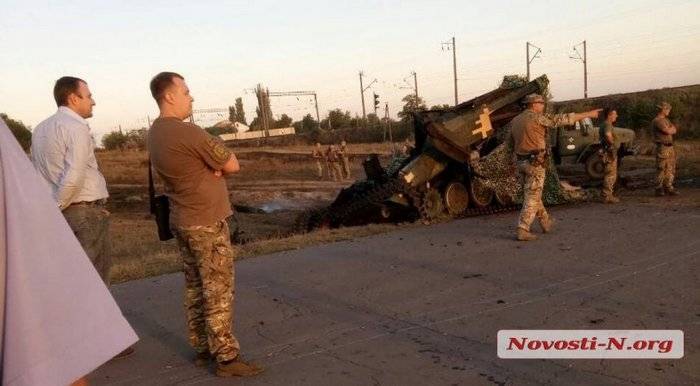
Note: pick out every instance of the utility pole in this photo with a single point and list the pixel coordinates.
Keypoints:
(415, 84)
(584, 59)
(362, 93)
(387, 122)
(451, 45)
(318, 117)
(528, 59)
(585, 72)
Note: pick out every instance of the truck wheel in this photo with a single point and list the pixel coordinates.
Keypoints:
(480, 194)
(456, 198)
(595, 167)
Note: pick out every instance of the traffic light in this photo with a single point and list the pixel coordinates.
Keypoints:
(376, 101)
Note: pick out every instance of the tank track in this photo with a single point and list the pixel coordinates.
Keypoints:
(351, 213)
(374, 196)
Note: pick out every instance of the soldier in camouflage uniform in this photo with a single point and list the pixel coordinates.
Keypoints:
(664, 131)
(317, 155)
(333, 161)
(528, 130)
(192, 164)
(609, 154)
(343, 153)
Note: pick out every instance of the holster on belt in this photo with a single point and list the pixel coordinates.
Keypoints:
(535, 158)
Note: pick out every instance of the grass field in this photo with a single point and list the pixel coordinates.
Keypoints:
(131, 166)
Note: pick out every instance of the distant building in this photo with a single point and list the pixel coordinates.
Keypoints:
(237, 127)
(257, 134)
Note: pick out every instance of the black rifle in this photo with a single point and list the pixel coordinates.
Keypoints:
(160, 207)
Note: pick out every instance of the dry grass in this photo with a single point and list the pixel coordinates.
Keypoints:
(131, 167)
(688, 155)
(124, 167)
(137, 252)
(360, 148)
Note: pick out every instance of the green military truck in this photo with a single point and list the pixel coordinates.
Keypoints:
(579, 144)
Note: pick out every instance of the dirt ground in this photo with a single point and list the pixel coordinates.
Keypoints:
(276, 185)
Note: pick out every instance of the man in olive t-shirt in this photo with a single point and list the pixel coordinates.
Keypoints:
(191, 164)
(664, 131)
(608, 144)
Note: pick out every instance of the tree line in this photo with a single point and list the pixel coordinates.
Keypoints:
(636, 111)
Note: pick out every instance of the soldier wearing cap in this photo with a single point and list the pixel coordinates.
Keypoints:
(527, 138)
(333, 162)
(608, 152)
(317, 155)
(664, 131)
(343, 153)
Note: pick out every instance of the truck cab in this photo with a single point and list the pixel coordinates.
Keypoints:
(579, 144)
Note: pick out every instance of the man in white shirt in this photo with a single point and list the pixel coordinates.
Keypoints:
(63, 151)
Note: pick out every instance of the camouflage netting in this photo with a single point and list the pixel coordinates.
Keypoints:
(500, 176)
(513, 81)
(395, 164)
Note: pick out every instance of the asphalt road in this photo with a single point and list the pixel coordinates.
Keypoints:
(422, 306)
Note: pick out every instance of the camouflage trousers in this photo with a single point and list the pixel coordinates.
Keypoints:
(90, 225)
(334, 171)
(319, 169)
(610, 162)
(532, 180)
(208, 264)
(665, 166)
(346, 167)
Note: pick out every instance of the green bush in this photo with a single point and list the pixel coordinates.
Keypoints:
(637, 110)
(115, 140)
(21, 132)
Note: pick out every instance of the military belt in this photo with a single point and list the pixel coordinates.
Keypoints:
(664, 144)
(529, 156)
(100, 202)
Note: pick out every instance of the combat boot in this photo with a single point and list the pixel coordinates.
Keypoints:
(611, 200)
(237, 368)
(547, 224)
(660, 192)
(671, 191)
(524, 235)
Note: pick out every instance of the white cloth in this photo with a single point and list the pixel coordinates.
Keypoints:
(60, 321)
(63, 151)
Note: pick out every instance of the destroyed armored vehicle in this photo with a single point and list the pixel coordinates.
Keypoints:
(438, 177)
(579, 144)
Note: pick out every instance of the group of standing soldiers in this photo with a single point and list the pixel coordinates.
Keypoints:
(528, 133)
(332, 158)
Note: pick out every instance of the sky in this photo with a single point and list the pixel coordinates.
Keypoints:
(225, 48)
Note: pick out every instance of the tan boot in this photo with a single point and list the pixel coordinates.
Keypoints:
(611, 200)
(547, 224)
(237, 368)
(671, 191)
(524, 235)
